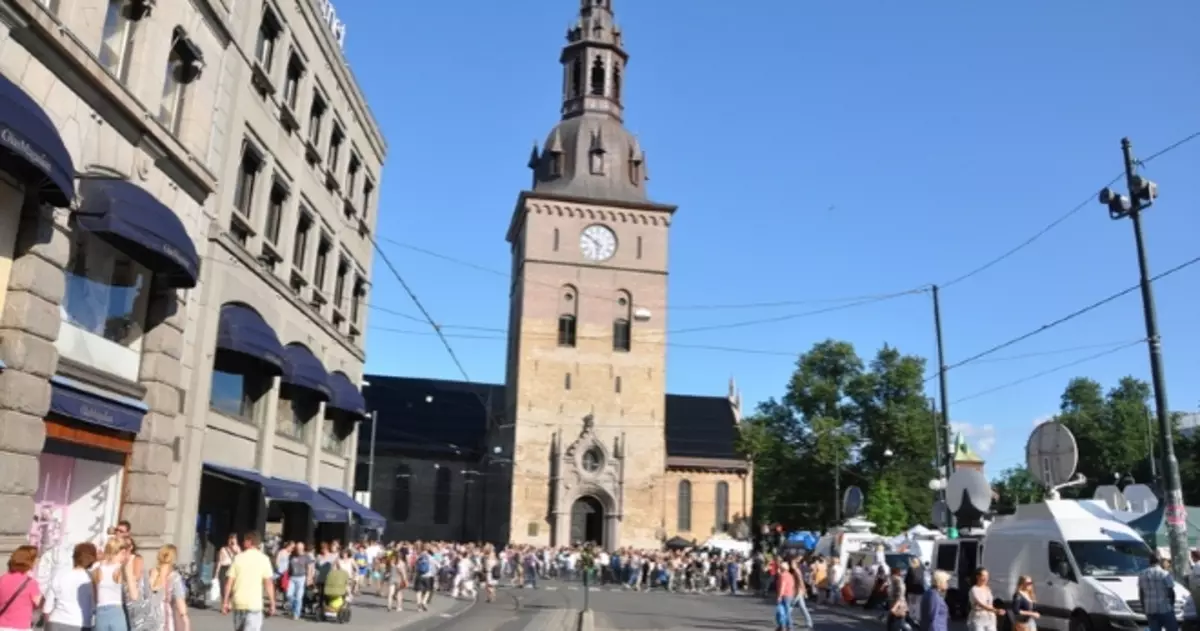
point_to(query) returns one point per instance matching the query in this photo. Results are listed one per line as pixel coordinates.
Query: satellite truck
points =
(1083, 559)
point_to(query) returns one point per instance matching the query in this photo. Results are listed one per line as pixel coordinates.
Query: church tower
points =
(585, 420)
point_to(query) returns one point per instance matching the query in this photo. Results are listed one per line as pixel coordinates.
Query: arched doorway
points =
(587, 521)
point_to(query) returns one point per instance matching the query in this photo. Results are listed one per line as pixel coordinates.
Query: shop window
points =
(238, 391)
(296, 409)
(104, 304)
(116, 39)
(334, 433)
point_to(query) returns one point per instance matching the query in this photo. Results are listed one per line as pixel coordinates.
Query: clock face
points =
(598, 243)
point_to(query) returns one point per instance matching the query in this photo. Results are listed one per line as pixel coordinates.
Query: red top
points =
(787, 585)
(20, 613)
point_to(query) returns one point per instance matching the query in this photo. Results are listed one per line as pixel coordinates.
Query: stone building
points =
(128, 133)
(587, 444)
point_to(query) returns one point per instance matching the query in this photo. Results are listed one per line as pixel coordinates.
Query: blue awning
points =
(134, 222)
(324, 510)
(347, 398)
(369, 518)
(69, 400)
(241, 330)
(32, 149)
(301, 369)
(243, 475)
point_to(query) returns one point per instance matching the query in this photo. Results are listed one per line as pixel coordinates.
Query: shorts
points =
(424, 583)
(247, 620)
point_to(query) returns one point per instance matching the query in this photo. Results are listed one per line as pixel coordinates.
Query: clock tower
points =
(580, 454)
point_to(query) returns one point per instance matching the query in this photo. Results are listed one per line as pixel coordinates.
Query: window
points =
(616, 84)
(339, 283)
(269, 30)
(336, 139)
(333, 435)
(402, 493)
(684, 516)
(556, 163)
(1100, 558)
(323, 249)
(639, 247)
(621, 322)
(296, 409)
(568, 312)
(116, 41)
(279, 197)
(316, 115)
(300, 246)
(291, 84)
(576, 77)
(106, 295)
(238, 392)
(243, 190)
(441, 497)
(947, 558)
(368, 196)
(722, 512)
(360, 290)
(598, 76)
(617, 385)
(181, 70)
(352, 172)
(556, 239)
(567, 381)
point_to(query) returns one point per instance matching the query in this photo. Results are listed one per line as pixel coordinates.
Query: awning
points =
(237, 473)
(369, 518)
(76, 402)
(324, 510)
(32, 149)
(241, 330)
(301, 369)
(134, 222)
(346, 397)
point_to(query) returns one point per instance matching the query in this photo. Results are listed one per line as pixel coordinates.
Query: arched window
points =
(623, 315)
(576, 77)
(722, 511)
(568, 315)
(441, 497)
(402, 493)
(616, 84)
(684, 518)
(598, 76)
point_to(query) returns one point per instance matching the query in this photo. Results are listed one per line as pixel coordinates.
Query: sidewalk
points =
(369, 614)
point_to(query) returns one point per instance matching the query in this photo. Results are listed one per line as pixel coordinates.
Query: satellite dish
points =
(852, 502)
(1052, 454)
(969, 496)
(1112, 496)
(1141, 498)
(941, 515)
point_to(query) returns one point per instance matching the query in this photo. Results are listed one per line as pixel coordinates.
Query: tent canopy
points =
(1153, 526)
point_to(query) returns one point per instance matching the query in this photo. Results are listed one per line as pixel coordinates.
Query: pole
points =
(1175, 513)
(1150, 449)
(837, 494)
(371, 459)
(942, 391)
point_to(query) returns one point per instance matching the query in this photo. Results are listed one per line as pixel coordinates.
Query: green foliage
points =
(886, 508)
(1113, 430)
(1014, 487)
(843, 422)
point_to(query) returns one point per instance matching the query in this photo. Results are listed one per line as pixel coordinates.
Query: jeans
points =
(803, 607)
(111, 618)
(295, 594)
(783, 614)
(1162, 622)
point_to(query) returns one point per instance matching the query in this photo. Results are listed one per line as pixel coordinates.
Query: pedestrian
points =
(71, 598)
(1024, 613)
(1156, 591)
(20, 594)
(250, 579)
(785, 593)
(799, 601)
(426, 571)
(983, 611)
(935, 613)
(301, 568)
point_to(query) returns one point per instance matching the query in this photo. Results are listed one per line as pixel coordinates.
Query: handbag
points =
(12, 599)
(899, 609)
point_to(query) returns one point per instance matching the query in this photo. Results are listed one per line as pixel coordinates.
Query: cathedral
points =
(582, 441)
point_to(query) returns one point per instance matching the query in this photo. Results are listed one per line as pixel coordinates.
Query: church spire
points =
(593, 63)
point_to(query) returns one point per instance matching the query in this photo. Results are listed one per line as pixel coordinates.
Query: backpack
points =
(496, 571)
(423, 565)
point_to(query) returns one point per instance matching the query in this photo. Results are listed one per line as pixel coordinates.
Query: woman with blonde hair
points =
(19, 592)
(106, 579)
(1024, 606)
(935, 613)
(167, 591)
(71, 598)
(140, 611)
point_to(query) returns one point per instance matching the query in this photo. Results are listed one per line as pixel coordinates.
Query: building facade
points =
(129, 292)
(588, 445)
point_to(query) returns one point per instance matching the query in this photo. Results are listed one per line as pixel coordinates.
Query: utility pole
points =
(371, 459)
(941, 358)
(1142, 193)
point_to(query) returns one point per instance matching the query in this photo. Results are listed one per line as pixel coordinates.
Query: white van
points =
(1084, 563)
(959, 558)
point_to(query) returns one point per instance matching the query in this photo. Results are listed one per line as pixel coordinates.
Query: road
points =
(556, 606)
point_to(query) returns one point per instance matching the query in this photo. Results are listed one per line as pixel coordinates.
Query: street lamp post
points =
(1142, 193)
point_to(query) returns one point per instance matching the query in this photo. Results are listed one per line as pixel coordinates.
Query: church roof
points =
(440, 415)
(963, 451)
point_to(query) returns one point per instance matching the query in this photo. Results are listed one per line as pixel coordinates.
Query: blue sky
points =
(816, 151)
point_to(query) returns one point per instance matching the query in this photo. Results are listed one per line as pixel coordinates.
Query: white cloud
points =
(1042, 419)
(981, 438)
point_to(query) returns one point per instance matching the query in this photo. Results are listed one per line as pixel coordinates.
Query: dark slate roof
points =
(701, 427)
(433, 414)
(442, 415)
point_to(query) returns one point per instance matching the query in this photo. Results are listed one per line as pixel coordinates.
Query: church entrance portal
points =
(587, 521)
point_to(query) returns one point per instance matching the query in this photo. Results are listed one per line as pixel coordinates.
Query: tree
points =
(1111, 429)
(886, 509)
(1014, 487)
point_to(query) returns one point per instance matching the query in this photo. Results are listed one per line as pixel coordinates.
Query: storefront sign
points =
(329, 16)
(18, 144)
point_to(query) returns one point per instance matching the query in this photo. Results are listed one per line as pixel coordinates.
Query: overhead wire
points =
(1048, 371)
